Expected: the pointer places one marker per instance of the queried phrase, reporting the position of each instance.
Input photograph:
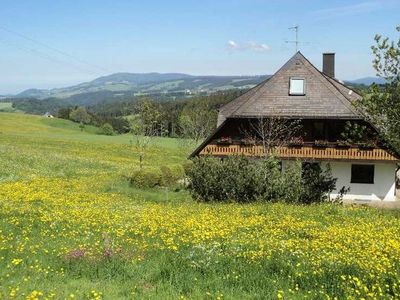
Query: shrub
(150, 178)
(241, 179)
(292, 186)
(187, 166)
(234, 178)
(167, 176)
(317, 183)
(146, 178)
(178, 171)
(106, 129)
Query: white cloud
(232, 45)
(258, 47)
(251, 45)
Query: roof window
(297, 86)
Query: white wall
(383, 187)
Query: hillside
(118, 84)
(72, 227)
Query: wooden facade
(324, 112)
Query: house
(48, 115)
(333, 130)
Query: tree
(141, 142)
(271, 131)
(197, 121)
(356, 133)
(148, 118)
(382, 103)
(64, 113)
(144, 127)
(80, 115)
(106, 129)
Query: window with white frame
(297, 86)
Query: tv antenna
(296, 41)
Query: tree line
(192, 118)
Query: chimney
(328, 64)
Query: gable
(324, 97)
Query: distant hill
(147, 83)
(368, 80)
(122, 86)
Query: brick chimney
(328, 64)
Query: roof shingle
(325, 97)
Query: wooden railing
(304, 152)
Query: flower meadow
(72, 228)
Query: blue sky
(45, 44)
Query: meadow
(71, 227)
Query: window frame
(357, 180)
(290, 86)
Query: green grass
(70, 224)
(57, 147)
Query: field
(71, 227)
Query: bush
(317, 183)
(106, 129)
(146, 178)
(178, 171)
(292, 186)
(241, 179)
(167, 176)
(233, 178)
(150, 178)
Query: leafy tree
(120, 125)
(148, 121)
(196, 121)
(106, 129)
(64, 113)
(356, 133)
(144, 127)
(382, 104)
(141, 141)
(80, 115)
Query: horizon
(48, 45)
(200, 75)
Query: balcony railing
(303, 152)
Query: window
(297, 86)
(362, 173)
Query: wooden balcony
(304, 152)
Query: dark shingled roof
(325, 97)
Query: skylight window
(297, 86)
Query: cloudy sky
(47, 43)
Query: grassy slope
(70, 224)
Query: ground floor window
(362, 173)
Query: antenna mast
(296, 42)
